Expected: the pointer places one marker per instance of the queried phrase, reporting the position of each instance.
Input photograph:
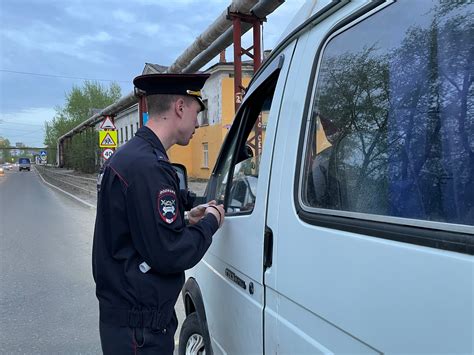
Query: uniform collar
(150, 136)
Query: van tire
(191, 332)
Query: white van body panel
(327, 290)
(330, 291)
(225, 325)
(237, 249)
(308, 9)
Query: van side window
(238, 176)
(392, 124)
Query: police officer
(140, 221)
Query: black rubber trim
(433, 238)
(192, 291)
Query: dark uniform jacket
(140, 218)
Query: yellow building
(200, 155)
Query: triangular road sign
(107, 123)
(108, 142)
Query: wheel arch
(193, 302)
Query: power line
(60, 76)
(2, 121)
(18, 129)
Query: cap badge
(194, 93)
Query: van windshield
(24, 161)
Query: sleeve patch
(167, 205)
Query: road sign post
(43, 155)
(108, 139)
(107, 123)
(107, 153)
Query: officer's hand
(198, 212)
(217, 211)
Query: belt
(137, 318)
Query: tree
(81, 153)
(5, 153)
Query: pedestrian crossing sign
(108, 139)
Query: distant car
(24, 164)
(7, 166)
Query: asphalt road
(47, 300)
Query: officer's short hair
(160, 103)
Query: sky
(49, 46)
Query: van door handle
(268, 248)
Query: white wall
(124, 119)
(212, 92)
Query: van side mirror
(182, 175)
(245, 153)
(189, 197)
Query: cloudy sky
(47, 46)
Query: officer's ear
(179, 107)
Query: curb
(65, 192)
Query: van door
(231, 274)
(372, 184)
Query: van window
(238, 176)
(392, 124)
(24, 161)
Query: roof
(247, 67)
(154, 68)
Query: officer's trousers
(116, 340)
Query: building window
(205, 155)
(205, 115)
(126, 133)
(137, 126)
(121, 134)
(131, 131)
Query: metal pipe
(237, 63)
(261, 10)
(257, 48)
(142, 108)
(208, 45)
(203, 41)
(122, 103)
(117, 106)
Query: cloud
(150, 29)
(106, 39)
(46, 38)
(197, 3)
(98, 37)
(123, 16)
(26, 126)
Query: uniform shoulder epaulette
(161, 157)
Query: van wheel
(191, 339)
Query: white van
(348, 181)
